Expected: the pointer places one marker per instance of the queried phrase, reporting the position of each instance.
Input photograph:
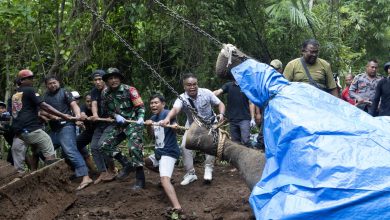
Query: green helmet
(112, 71)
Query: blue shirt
(166, 142)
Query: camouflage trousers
(113, 135)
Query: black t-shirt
(96, 95)
(89, 125)
(237, 103)
(25, 106)
(60, 100)
(382, 95)
(87, 111)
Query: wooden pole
(154, 124)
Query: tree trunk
(83, 52)
(54, 69)
(249, 162)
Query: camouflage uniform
(362, 87)
(127, 102)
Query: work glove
(140, 121)
(5, 114)
(120, 119)
(252, 124)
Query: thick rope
(154, 124)
(227, 51)
(221, 143)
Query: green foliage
(62, 37)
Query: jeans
(98, 156)
(66, 138)
(240, 132)
(82, 140)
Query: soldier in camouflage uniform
(363, 86)
(123, 102)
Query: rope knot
(227, 51)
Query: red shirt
(345, 96)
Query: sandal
(109, 177)
(97, 181)
(84, 185)
(100, 178)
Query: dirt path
(225, 198)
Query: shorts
(40, 141)
(165, 165)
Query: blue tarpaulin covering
(326, 159)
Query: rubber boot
(139, 178)
(127, 167)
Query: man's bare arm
(48, 108)
(172, 114)
(218, 92)
(75, 109)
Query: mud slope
(39, 195)
(225, 198)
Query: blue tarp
(326, 159)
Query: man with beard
(311, 69)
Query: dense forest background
(63, 37)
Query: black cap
(3, 104)
(112, 71)
(99, 73)
(386, 67)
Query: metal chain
(189, 23)
(146, 64)
(212, 131)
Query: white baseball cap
(75, 94)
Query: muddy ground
(225, 198)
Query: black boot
(139, 179)
(127, 167)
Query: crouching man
(166, 148)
